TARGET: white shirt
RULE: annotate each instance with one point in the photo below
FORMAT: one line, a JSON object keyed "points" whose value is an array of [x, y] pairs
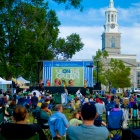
{"points": [[37, 93], [78, 94]]}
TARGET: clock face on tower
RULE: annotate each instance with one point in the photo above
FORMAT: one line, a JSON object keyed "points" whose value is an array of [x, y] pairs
{"points": [[112, 26]]}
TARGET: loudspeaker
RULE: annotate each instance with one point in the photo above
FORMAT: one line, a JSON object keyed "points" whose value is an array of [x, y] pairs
{"points": [[97, 86]]}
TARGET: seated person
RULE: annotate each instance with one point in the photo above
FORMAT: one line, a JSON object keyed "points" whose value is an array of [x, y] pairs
{"points": [[2, 108], [98, 122], [58, 123], [12, 105], [75, 119], [69, 98], [91, 132], [86, 100], [116, 108], [44, 113], [2, 113], [19, 129]]}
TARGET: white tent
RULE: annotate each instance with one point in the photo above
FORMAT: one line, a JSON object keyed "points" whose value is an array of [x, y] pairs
{"points": [[21, 79], [4, 82]]}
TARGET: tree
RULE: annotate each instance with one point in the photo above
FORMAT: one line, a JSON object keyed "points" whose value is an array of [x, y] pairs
{"points": [[71, 3], [112, 72], [67, 47], [118, 74], [29, 33], [100, 58]]}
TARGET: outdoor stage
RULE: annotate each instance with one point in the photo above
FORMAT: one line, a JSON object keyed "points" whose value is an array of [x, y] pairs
{"points": [[71, 90]]}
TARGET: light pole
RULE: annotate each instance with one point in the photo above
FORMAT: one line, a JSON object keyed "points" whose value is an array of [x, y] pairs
{"points": [[98, 85], [97, 69]]}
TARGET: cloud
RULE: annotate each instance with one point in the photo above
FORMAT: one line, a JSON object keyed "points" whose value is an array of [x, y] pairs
{"points": [[129, 18], [130, 41], [91, 37], [89, 25], [126, 16], [136, 4], [87, 17]]}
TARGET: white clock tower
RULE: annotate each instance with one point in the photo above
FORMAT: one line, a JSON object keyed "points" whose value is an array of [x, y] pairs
{"points": [[111, 36]]}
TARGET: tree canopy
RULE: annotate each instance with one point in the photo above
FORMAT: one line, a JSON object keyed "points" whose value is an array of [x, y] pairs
{"points": [[29, 33], [118, 74], [99, 58], [71, 3], [112, 72]]}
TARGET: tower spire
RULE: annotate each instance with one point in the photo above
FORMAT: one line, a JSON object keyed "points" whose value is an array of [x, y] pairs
{"points": [[111, 4], [111, 36]]}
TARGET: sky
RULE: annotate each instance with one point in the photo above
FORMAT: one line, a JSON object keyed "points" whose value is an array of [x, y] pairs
{"points": [[89, 25]]}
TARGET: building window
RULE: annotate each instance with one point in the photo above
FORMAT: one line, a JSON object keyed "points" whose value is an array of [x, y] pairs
{"points": [[112, 17], [108, 17], [112, 42], [138, 74], [138, 82]]}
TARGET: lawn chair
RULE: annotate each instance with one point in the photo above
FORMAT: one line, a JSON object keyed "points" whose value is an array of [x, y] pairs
{"points": [[34, 137], [22, 101], [2, 101], [114, 119], [45, 127], [134, 124], [134, 127], [1, 117], [56, 100]]}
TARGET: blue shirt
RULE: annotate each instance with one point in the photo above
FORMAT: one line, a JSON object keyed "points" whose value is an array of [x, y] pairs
{"points": [[84, 132], [58, 123]]}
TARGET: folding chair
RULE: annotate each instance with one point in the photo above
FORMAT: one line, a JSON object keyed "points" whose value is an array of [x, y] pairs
{"points": [[114, 119], [1, 117], [34, 137], [134, 124], [57, 98], [134, 128], [2, 101], [45, 127]]}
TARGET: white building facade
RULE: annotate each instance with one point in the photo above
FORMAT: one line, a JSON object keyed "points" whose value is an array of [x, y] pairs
{"points": [[111, 42]]}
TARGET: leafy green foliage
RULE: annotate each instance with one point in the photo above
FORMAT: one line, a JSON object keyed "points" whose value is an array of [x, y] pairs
{"points": [[112, 72], [68, 47], [100, 56], [71, 3], [29, 33], [119, 74]]}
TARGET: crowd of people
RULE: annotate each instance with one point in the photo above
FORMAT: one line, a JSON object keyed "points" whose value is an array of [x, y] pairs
{"points": [[87, 121]]}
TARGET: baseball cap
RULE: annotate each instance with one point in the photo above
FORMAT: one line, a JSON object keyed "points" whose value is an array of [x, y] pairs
{"points": [[88, 111]]}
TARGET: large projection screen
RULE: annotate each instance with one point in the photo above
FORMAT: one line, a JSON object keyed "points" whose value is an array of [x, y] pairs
{"points": [[68, 73]]}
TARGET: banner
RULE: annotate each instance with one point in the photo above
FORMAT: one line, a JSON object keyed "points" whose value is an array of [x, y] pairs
{"points": [[67, 76]]}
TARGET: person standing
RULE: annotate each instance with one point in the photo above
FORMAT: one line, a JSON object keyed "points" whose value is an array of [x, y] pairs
{"points": [[78, 93], [100, 107], [34, 101]]}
